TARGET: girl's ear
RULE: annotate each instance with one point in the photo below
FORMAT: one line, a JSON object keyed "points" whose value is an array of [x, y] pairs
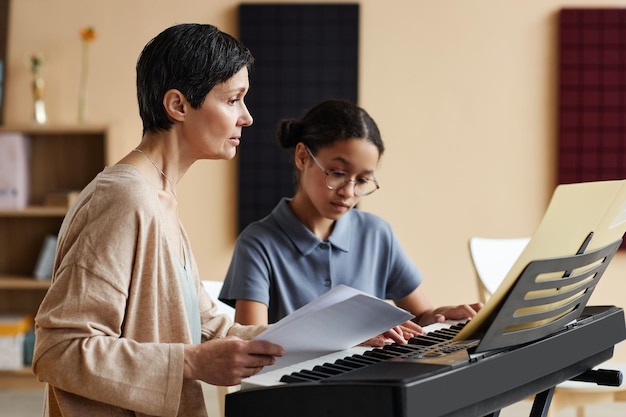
{"points": [[300, 156], [175, 104]]}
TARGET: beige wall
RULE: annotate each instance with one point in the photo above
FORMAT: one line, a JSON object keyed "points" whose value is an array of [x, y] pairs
{"points": [[463, 91]]}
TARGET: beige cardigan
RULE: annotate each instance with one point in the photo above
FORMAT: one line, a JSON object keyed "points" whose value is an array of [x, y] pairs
{"points": [[110, 331]]}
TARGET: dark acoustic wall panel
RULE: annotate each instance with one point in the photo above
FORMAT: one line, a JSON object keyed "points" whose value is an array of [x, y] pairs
{"points": [[304, 53], [592, 95]]}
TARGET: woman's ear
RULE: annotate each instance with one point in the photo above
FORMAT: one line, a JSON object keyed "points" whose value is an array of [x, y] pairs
{"points": [[175, 104], [300, 155]]}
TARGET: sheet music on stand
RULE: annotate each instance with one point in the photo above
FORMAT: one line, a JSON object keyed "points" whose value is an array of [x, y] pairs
{"points": [[553, 278]]}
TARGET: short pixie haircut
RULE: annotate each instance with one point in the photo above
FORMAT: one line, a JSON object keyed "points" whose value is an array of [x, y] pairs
{"points": [[191, 58]]}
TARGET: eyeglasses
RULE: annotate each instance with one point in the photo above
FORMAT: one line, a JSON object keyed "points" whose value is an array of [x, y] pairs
{"points": [[336, 180]]}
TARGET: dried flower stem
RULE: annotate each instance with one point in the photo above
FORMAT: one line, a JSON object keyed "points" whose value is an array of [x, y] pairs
{"points": [[82, 87]]}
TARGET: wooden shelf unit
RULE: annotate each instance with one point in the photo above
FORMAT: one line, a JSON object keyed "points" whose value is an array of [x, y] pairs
{"points": [[61, 158], [20, 379]]}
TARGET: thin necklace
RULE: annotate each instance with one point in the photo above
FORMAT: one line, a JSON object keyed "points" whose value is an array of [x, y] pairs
{"points": [[169, 181]]}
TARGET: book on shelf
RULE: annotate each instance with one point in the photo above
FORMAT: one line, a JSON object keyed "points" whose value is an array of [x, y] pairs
{"points": [[45, 260], [61, 198], [13, 170]]}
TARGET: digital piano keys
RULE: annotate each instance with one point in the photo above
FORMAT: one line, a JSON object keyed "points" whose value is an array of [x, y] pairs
{"points": [[432, 375]]}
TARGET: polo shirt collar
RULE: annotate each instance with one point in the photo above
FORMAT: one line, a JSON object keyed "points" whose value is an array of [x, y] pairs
{"points": [[303, 238]]}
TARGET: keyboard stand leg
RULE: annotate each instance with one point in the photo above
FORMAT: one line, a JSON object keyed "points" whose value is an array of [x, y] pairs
{"points": [[541, 404]]}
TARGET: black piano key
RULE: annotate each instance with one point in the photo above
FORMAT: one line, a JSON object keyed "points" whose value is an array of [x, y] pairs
{"points": [[426, 340], [396, 349], [349, 363], [377, 353], [401, 348], [314, 374], [337, 366], [295, 377], [458, 326], [421, 341], [436, 337], [351, 360], [364, 359], [416, 347], [328, 369], [390, 352], [445, 333], [453, 335]]}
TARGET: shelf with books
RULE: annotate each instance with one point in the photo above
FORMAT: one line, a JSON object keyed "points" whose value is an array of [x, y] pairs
{"points": [[61, 160], [13, 282], [34, 211], [19, 379]]}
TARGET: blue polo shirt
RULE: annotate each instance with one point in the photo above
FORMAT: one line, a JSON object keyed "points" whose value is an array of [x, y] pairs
{"points": [[279, 262]]}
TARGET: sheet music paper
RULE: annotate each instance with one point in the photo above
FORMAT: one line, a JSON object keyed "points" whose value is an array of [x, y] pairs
{"points": [[337, 320], [574, 211]]}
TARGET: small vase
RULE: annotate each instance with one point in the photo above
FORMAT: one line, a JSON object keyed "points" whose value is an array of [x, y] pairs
{"points": [[40, 107]]}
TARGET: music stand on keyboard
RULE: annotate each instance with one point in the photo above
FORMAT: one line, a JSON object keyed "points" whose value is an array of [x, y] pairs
{"points": [[549, 294]]}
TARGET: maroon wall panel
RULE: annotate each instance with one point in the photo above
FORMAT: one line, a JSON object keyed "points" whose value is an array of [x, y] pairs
{"points": [[592, 95]]}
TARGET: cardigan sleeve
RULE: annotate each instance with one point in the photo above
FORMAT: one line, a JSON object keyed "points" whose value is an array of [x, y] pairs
{"points": [[79, 349]]}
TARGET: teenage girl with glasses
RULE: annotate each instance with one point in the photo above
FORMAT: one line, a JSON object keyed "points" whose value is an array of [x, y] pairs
{"points": [[317, 240]]}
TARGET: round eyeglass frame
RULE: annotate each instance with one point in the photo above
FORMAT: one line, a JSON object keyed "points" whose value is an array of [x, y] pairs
{"points": [[334, 174]]}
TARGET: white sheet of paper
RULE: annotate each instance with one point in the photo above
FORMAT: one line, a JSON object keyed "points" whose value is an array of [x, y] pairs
{"points": [[338, 320]]}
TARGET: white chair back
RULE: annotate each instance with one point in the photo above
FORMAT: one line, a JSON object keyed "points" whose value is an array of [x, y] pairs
{"points": [[492, 259], [214, 288]]}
